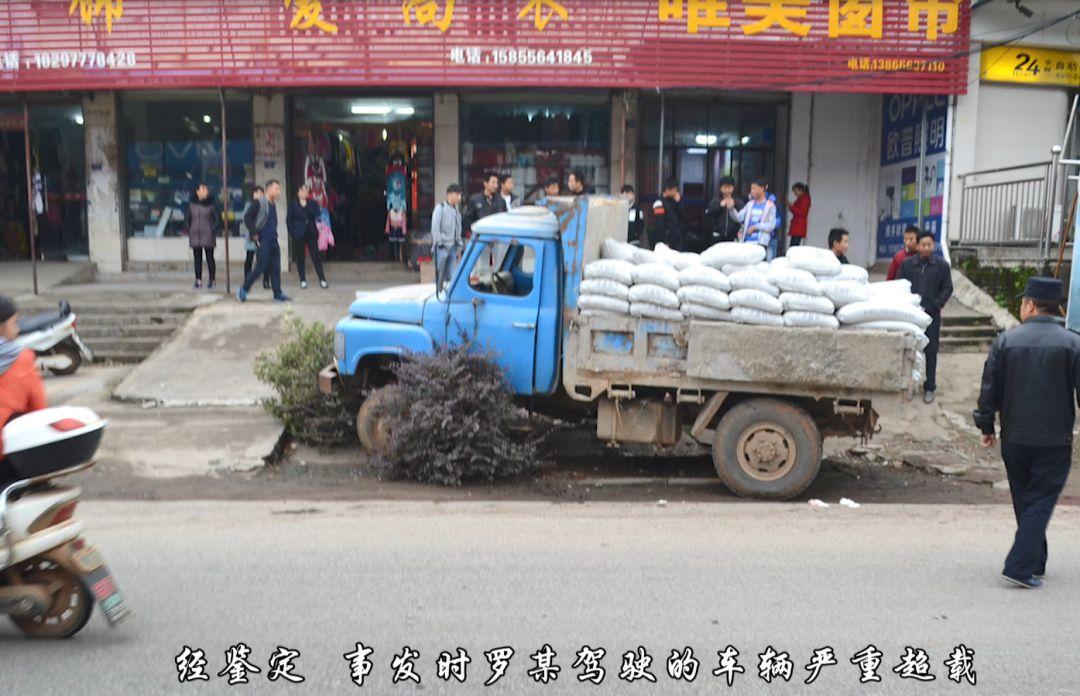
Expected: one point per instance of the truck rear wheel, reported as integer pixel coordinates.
(373, 418)
(767, 448)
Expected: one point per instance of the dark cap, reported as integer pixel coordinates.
(7, 309)
(1043, 289)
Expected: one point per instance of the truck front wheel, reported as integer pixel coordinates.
(373, 418)
(767, 448)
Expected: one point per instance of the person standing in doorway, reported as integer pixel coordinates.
(269, 257)
(203, 222)
(575, 183)
(758, 216)
(931, 279)
(446, 239)
(635, 220)
(667, 216)
(839, 241)
(911, 242)
(487, 202)
(723, 227)
(1032, 379)
(251, 241)
(301, 218)
(506, 191)
(800, 212)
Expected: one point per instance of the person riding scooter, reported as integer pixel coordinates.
(21, 387)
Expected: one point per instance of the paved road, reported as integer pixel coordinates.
(318, 577)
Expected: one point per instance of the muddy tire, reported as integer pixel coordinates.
(372, 422)
(71, 607)
(70, 352)
(767, 448)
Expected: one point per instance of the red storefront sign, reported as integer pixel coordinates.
(798, 45)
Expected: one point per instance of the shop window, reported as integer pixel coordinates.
(515, 273)
(173, 142)
(533, 142)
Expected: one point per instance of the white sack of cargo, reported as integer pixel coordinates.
(691, 259)
(653, 294)
(603, 303)
(883, 287)
(750, 298)
(749, 315)
(651, 311)
(820, 262)
(791, 279)
(656, 274)
(606, 287)
(759, 267)
(733, 252)
(844, 292)
(753, 280)
(601, 313)
(644, 256)
(798, 302)
(813, 320)
(883, 309)
(620, 251)
(696, 311)
(704, 295)
(611, 269)
(851, 272)
(704, 275)
(676, 259)
(921, 341)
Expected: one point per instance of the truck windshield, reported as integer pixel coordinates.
(514, 275)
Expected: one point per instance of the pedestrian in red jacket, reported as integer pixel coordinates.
(21, 388)
(911, 243)
(800, 210)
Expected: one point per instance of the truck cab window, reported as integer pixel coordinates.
(504, 269)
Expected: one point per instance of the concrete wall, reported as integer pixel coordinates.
(624, 138)
(268, 116)
(447, 143)
(834, 148)
(103, 200)
(1017, 124)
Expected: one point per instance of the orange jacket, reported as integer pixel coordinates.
(21, 390)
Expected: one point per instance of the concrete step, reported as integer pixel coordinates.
(125, 357)
(966, 320)
(100, 332)
(124, 345)
(133, 308)
(950, 344)
(107, 320)
(989, 332)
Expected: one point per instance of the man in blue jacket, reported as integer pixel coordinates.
(263, 219)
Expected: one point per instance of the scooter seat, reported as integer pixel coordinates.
(42, 321)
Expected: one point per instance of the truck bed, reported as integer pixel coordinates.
(603, 353)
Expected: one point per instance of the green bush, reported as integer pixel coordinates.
(292, 369)
(1003, 284)
(458, 421)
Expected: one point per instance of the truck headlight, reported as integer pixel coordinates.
(339, 346)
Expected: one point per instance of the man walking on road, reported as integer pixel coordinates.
(931, 279)
(1031, 377)
(263, 219)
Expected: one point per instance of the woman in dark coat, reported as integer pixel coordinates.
(203, 223)
(301, 219)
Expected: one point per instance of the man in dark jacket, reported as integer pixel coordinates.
(263, 218)
(667, 217)
(635, 219)
(487, 202)
(931, 279)
(1032, 378)
(721, 225)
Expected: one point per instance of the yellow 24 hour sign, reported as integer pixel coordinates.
(1031, 66)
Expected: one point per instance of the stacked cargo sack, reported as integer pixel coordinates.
(605, 288)
(802, 297)
(754, 300)
(890, 306)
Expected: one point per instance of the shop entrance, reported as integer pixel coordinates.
(58, 156)
(370, 164)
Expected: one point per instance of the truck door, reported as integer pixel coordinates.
(495, 303)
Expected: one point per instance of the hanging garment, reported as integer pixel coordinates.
(315, 179)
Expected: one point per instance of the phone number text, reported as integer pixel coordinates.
(520, 56)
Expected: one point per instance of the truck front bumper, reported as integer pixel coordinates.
(328, 379)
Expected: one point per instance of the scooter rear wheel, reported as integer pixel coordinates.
(71, 607)
(73, 355)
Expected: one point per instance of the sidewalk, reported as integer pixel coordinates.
(17, 279)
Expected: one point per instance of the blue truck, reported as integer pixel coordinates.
(763, 398)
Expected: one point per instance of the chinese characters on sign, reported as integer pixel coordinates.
(308, 14)
(89, 10)
(427, 13)
(587, 665)
(1031, 66)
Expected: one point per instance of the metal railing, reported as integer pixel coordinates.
(1008, 205)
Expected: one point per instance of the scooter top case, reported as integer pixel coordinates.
(51, 440)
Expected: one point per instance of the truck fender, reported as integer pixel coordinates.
(702, 430)
(381, 338)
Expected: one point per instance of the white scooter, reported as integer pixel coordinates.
(52, 337)
(49, 576)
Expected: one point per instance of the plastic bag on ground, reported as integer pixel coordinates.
(656, 274)
(603, 303)
(612, 269)
(702, 295)
(797, 302)
(794, 280)
(732, 252)
(814, 320)
(756, 299)
(753, 280)
(605, 286)
(704, 275)
(653, 294)
(748, 315)
(696, 311)
(844, 292)
(614, 249)
(820, 262)
(883, 309)
(651, 311)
